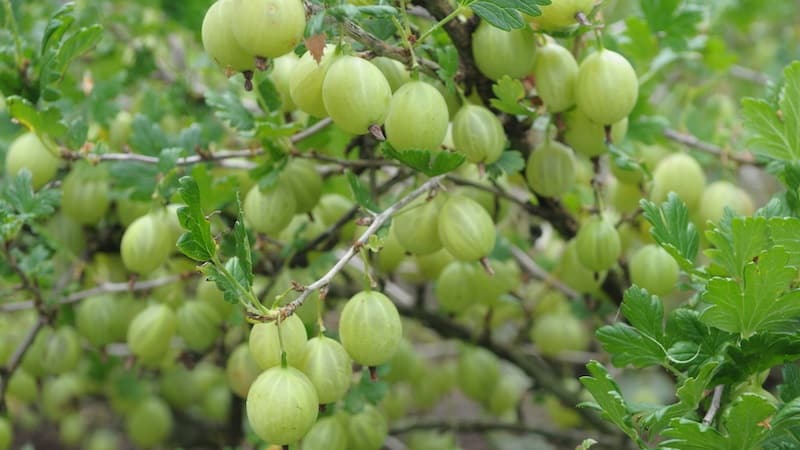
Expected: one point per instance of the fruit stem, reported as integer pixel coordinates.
(598, 39)
(373, 373)
(284, 359)
(405, 30)
(438, 25)
(248, 80)
(581, 18)
(487, 266)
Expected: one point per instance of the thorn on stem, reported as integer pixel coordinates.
(373, 373)
(376, 131)
(487, 266)
(248, 80)
(581, 18)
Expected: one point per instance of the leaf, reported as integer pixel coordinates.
(147, 137)
(644, 312)
(168, 158)
(230, 292)
(510, 162)
(29, 204)
(787, 417)
(361, 193)
(690, 435)
(608, 397)
(760, 304)
(135, 176)
(790, 388)
(737, 240)
(58, 24)
(510, 97)
(197, 243)
(785, 232)
(229, 109)
(790, 107)
(586, 444)
(242, 245)
(760, 352)
(365, 392)
(431, 163)
(672, 21)
(746, 420)
(629, 347)
(43, 122)
(70, 49)
(505, 14)
(672, 229)
(447, 57)
(269, 93)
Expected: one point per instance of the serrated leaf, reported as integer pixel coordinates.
(147, 137)
(737, 240)
(608, 397)
(644, 312)
(168, 158)
(270, 94)
(761, 303)
(447, 57)
(746, 420)
(790, 107)
(510, 162)
(505, 14)
(229, 109)
(43, 122)
(361, 194)
(785, 232)
(242, 246)
(790, 388)
(71, 48)
(672, 229)
(140, 178)
(687, 434)
(787, 417)
(28, 204)
(510, 97)
(629, 347)
(365, 392)
(197, 243)
(230, 292)
(431, 163)
(59, 23)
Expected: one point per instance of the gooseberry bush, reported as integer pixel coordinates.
(437, 224)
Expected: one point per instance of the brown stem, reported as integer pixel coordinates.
(16, 359)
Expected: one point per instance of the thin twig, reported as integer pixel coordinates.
(16, 359)
(714, 407)
(529, 265)
(102, 288)
(377, 223)
(697, 144)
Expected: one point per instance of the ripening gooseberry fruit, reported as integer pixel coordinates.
(561, 13)
(394, 71)
(269, 211)
(432, 439)
(466, 229)
(622, 196)
(498, 53)
(405, 365)
(62, 350)
(198, 325)
(478, 369)
(84, 194)
(508, 391)
(652, 268)
(288, 391)
(370, 328)
(455, 287)
(145, 245)
(557, 333)
(356, 94)
(551, 169)
(431, 265)
(331, 208)
(367, 429)
(589, 138)
(607, 87)
(71, 429)
(28, 152)
(6, 434)
(218, 39)
(679, 173)
(241, 370)
(216, 404)
(305, 82)
(150, 332)
(103, 439)
(59, 393)
(301, 176)
(555, 71)
(327, 365)
(720, 194)
(268, 28)
(478, 134)
(392, 253)
(265, 345)
(416, 227)
(23, 386)
(597, 244)
(150, 423)
(207, 292)
(417, 118)
(280, 75)
(329, 433)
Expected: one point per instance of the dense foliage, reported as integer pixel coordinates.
(507, 224)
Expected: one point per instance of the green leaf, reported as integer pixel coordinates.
(361, 193)
(760, 352)
(690, 435)
(642, 342)
(586, 444)
(58, 24)
(790, 106)
(147, 137)
(29, 204)
(197, 243)
(230, 292)
(787, 418)
(785, 232)
(608, 397)
(790, 388)
(365, 392)
(447, 57)
(270, 94)
(672, 21)
(431, 163)
(510, 97)
(510, 162)
(505, 14)
(737, 240)
(761, 304)
(775, 136)
(242, 246)
(746, 418)
(672, 229)
(168, 158)
(140, 178)
(43, 122)
(229, 109)
(70, 49)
